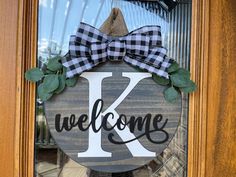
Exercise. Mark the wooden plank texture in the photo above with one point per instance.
(221, 122)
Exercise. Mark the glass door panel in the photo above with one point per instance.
(57, 20)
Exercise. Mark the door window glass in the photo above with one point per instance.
(57, 20)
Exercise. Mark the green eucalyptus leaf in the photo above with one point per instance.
(42, 93)
(62, 84)
(71, 82)
(171, 94)
(54, 64)
(173, 67)
(51, 83)
(190, 88)
(34, 74)
(160, 80)
(180, 78)
(183, 71)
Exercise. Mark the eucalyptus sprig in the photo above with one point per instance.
(52, 78)
(179, 81)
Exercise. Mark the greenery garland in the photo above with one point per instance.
(52, 78)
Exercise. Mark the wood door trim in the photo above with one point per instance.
(25, 95)
(198, 100)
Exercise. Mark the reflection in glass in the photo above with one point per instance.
(58, 19)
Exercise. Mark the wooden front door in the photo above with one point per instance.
(211, 132)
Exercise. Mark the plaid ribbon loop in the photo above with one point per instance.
(141, 48)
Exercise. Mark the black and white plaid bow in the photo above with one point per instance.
(141, 48)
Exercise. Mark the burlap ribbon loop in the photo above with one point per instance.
(115, 24)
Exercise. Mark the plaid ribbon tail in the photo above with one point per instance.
(155, 63)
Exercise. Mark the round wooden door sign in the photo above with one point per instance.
(114, 120)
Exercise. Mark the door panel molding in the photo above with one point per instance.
(198, 100)
(25, 93)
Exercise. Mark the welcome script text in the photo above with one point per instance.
(139, 123)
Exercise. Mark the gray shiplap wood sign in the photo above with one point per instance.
(106, 150)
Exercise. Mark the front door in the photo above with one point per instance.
(200, 35)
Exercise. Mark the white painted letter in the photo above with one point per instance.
(94, 143)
